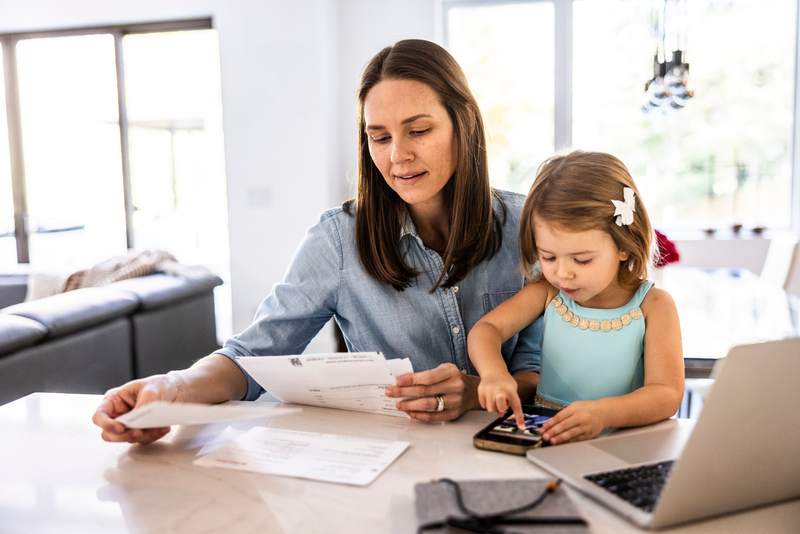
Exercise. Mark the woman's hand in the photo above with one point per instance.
(215, 378)
(125, 398)
(458, 391)
(579, 421)
(498, 392)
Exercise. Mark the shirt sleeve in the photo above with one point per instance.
(298, 306)
(527, 354)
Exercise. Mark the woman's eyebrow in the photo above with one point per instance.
(371, 127)
(415, 117)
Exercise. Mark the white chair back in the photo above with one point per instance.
(780, 255)
(792, 285)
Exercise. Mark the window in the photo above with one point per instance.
(8, 244)
(726, 158)
(176, 155)
(120, 139)
(70, 140)
(175, 141)
(510, 71)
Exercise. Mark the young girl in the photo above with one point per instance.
(611, 347)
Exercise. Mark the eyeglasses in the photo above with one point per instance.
(493, 523)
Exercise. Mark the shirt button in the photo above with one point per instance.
(455, 289)
(455, 330)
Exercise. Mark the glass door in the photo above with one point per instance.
(71, 145)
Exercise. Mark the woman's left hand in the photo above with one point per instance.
(579, 421)
(458, 391)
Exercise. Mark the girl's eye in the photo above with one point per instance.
(552, 258)
(379, 139)
(420, 132)
(583, 262)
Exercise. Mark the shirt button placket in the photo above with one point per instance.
(452, 312)
(456, 328)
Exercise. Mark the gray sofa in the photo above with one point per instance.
(88, 340)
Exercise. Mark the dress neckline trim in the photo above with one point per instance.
(596, 325)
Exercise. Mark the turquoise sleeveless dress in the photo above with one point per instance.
(591, 353)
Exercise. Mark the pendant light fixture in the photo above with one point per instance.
(668, 89)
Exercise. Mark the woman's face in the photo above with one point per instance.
(410, 138)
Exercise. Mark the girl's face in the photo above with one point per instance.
(410, 139)
(584, 265)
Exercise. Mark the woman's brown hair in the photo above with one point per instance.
(475, 230)
(574, 192)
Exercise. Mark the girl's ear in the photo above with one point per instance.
(623, 255)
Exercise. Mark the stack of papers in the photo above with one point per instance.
(326, 457)
(348, 381)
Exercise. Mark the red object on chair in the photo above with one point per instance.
(667, 251)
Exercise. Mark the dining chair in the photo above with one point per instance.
(782, 254)
(695, 392)
(792, 285)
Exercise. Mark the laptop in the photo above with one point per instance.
(743, 451)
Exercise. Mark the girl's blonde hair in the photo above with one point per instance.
(574, 192)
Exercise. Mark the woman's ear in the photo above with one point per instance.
(623, 255)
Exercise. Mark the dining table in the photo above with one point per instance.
(59, 476)
(721, 308)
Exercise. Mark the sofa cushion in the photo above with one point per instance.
(90, 361)
(75, 310)
(18, 332)
(158, 290)
(174, 337)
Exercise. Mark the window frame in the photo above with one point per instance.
(563, 62)
(9, 41)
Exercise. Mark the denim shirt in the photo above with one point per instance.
(326, 280)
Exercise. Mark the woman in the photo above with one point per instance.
(406, 268)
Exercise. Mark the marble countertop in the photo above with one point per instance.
(59, 476)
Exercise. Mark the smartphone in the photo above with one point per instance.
(503, 435)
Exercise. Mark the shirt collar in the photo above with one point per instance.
(407, 228)
(407, 225)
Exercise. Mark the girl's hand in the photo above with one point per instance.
(579, 421)
(498, 392)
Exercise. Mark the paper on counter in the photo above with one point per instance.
(311, 455)
(348, 381)
(160, 414)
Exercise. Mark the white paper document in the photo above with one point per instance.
(326, 457)
(348, 381)
(159, 413)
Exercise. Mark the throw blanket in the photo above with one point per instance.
(134, 263)
(118, 268)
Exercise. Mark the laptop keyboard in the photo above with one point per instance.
(640, 485)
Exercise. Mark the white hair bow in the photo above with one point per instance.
(624, 209)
